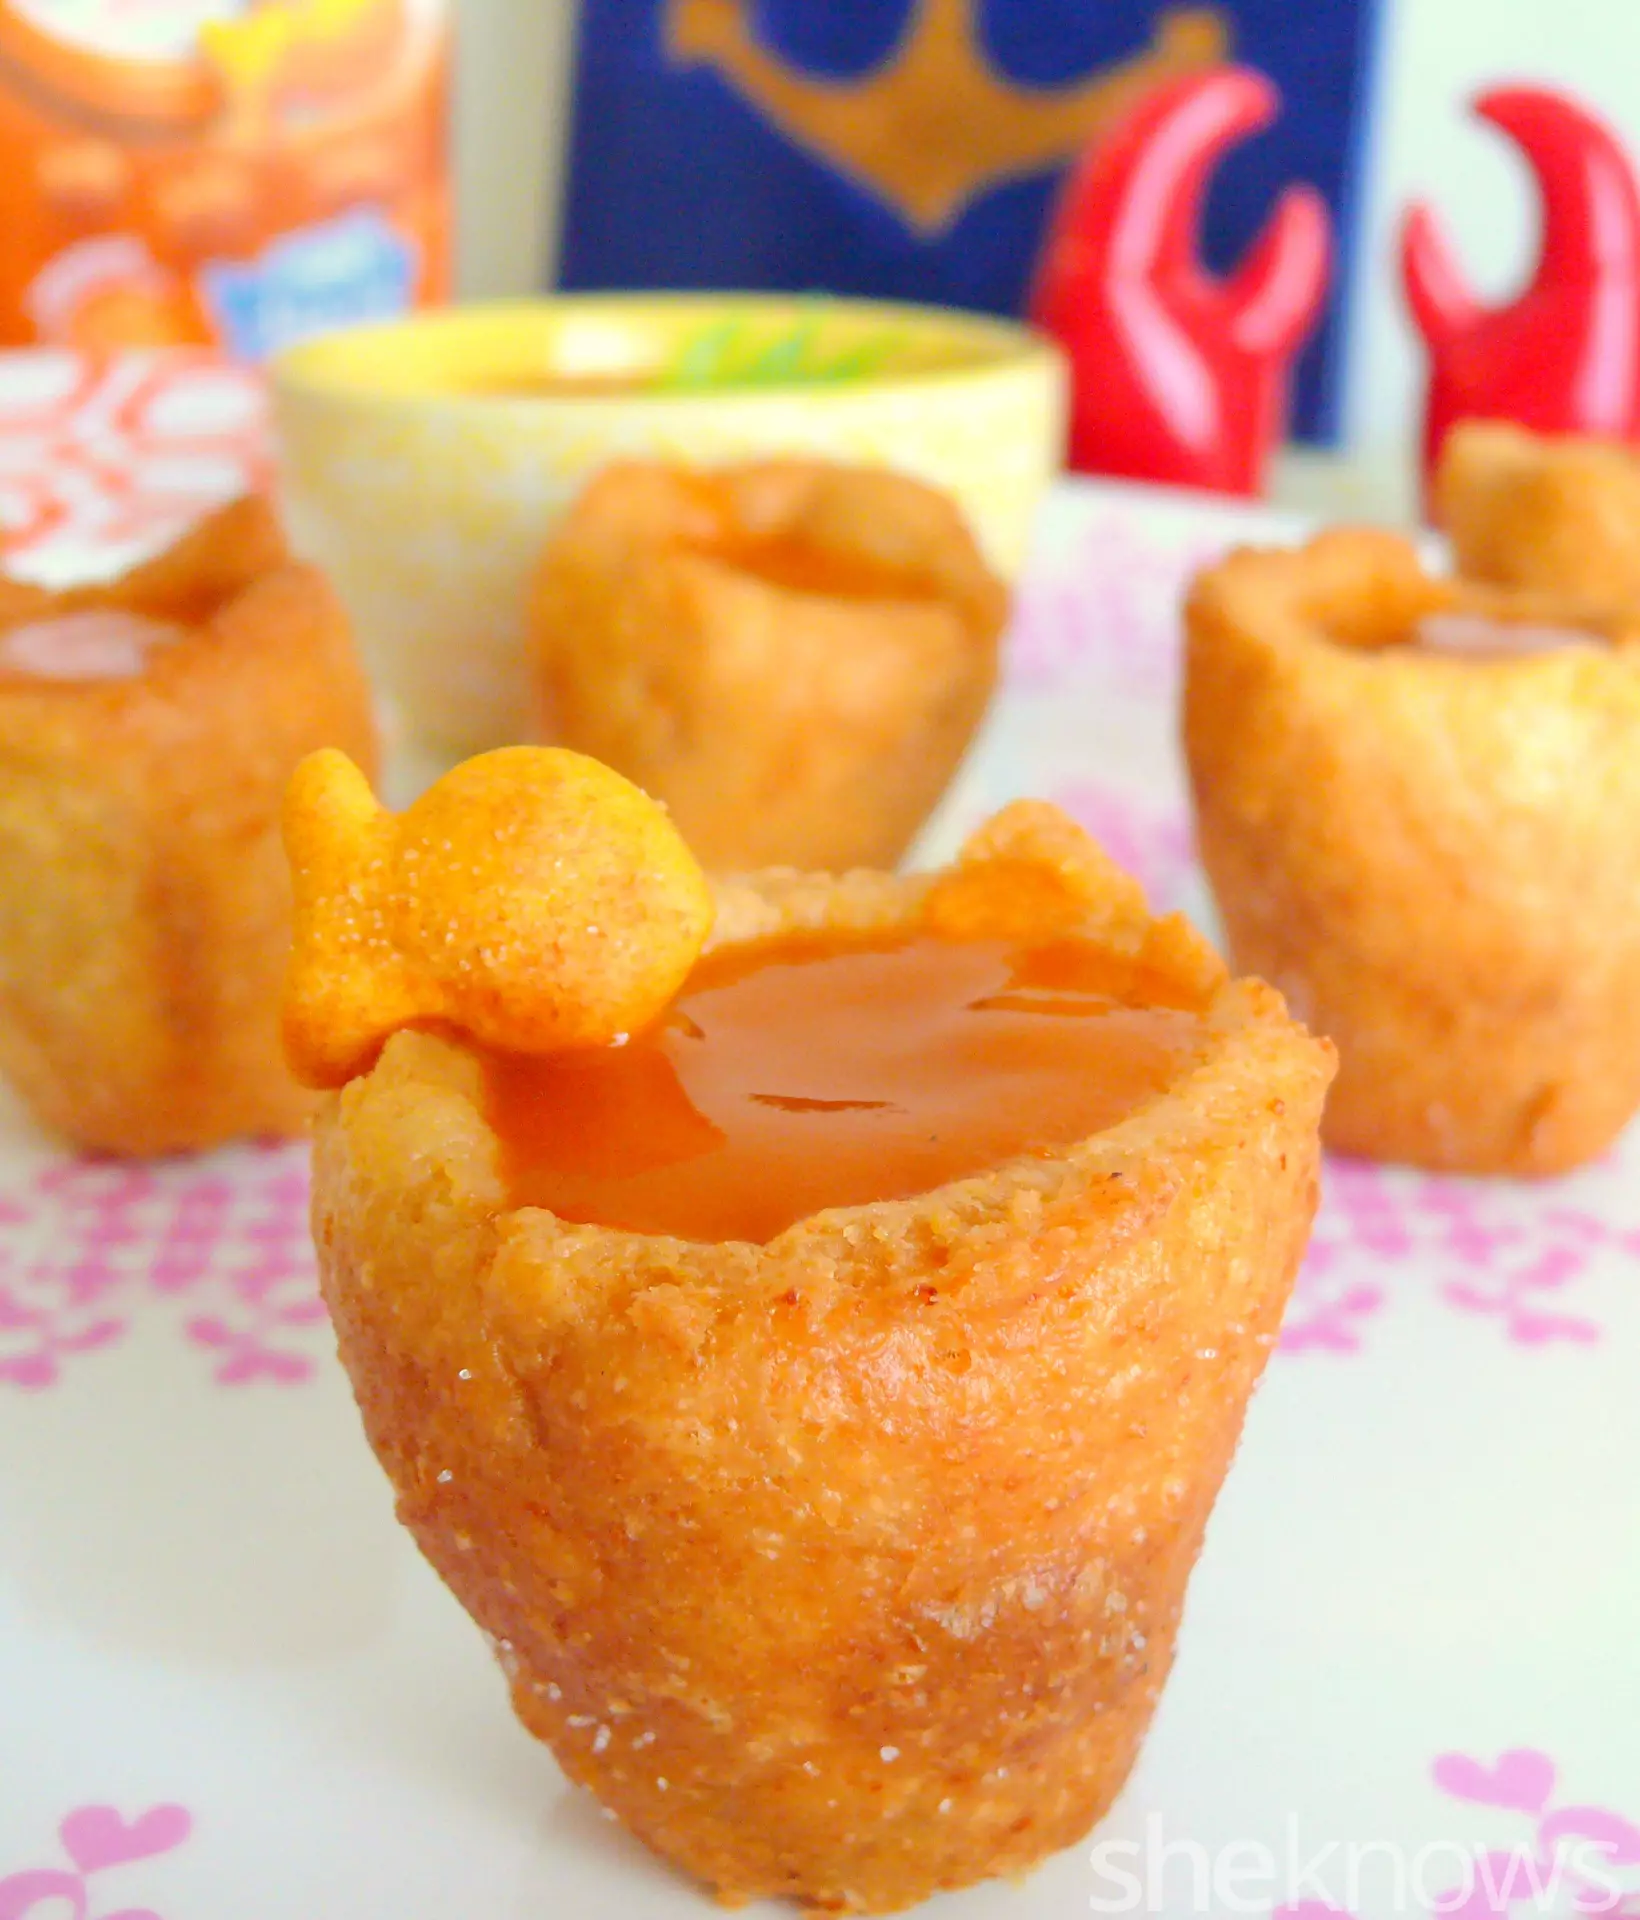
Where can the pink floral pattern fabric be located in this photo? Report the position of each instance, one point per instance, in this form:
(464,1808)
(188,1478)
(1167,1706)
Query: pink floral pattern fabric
(1499,1251)
(1107,607)
(97,1843)
(1586,1855)
(220,1246)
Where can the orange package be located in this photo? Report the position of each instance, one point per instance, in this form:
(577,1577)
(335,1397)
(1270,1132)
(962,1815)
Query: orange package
(244,172)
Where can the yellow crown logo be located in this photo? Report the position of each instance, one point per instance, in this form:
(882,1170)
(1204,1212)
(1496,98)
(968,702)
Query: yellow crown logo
(935,125)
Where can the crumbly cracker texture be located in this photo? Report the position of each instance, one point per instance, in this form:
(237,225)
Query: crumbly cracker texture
(845,1568)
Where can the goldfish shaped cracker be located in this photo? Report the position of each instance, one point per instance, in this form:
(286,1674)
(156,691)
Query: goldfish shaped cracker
(531,898)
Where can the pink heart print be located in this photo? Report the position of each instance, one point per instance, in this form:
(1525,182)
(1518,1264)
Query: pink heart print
(1522,1779)
(1617,1838)
(98,1837)
(25,1894)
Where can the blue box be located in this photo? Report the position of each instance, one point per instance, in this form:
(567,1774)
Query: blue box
(910,149)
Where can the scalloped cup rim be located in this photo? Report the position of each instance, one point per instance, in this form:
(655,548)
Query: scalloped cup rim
(1242,1021)
(1261,589)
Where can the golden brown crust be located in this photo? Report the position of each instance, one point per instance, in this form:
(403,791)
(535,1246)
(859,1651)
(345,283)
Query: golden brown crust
(779,726)
(144,903)
(1433,858)
(846,1568)
(1558,515)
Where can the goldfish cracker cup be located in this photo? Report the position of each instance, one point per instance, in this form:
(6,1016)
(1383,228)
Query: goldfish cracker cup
(147,729)
(1433,857)
(1555,515)
(794,656)
(425,463)
(845,1567)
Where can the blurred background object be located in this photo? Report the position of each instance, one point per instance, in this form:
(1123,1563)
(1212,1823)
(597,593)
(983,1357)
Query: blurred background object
(239,171)
(1403,116)
(1178,373)
(1563,355)
(912,149)
(1433,56)
(424,462)
(510,101)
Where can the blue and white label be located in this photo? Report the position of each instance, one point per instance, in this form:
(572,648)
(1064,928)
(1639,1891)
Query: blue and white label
(352,268)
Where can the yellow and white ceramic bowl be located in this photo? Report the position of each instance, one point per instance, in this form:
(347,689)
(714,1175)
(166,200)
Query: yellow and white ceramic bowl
(424,461)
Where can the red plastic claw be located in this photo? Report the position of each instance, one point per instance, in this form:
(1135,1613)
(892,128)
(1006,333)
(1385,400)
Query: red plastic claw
(1177,374)
(1564,357)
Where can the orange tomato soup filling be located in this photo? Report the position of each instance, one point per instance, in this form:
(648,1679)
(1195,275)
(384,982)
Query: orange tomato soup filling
(809,1072)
